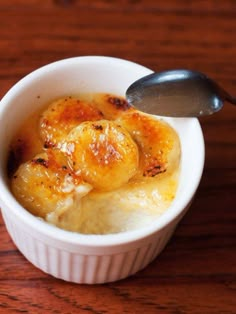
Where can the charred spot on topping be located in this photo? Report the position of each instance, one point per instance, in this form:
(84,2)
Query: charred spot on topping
(11,163)
(153,171)
(16,156)
(64,167)
(119,103)
(97,127)
(48,144)
(41,161)
(153,168)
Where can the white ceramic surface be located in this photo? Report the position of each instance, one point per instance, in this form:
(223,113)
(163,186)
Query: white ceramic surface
(90,258)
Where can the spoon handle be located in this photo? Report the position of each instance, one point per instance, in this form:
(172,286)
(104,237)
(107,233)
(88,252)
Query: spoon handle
(230,99)
(225,95)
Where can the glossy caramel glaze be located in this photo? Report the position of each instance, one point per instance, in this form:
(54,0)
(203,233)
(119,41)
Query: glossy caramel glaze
(96,157)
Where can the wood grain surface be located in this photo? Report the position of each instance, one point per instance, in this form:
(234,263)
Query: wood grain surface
(196,273)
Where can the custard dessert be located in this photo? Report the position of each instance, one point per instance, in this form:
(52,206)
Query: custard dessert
(94,165)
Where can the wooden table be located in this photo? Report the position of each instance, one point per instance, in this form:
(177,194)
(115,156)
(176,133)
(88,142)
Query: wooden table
(196,273)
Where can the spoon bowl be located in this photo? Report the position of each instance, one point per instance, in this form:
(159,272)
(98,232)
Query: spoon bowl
(177,93)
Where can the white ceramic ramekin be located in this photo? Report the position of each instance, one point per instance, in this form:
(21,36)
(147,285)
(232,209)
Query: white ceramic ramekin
(90,258)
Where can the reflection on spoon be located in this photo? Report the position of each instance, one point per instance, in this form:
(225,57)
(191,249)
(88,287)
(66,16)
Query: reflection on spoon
(177,93)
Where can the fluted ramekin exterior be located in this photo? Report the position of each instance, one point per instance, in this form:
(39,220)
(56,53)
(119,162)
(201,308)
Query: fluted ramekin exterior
(77,267)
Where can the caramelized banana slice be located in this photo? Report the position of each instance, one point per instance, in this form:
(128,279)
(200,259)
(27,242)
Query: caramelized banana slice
(63,115)
(158,143)
(103,153)
(45,185)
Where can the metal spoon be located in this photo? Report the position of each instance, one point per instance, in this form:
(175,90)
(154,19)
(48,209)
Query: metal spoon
(177,93)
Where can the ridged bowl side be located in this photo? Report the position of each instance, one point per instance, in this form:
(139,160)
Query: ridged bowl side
(86,269)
